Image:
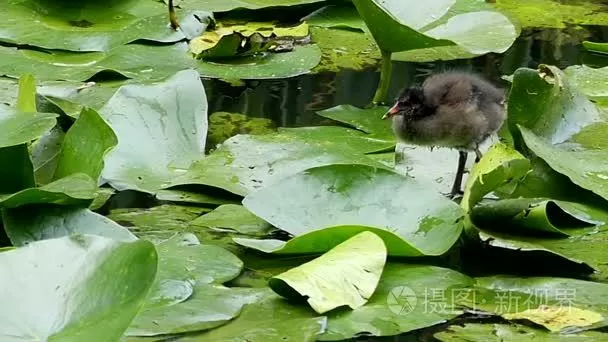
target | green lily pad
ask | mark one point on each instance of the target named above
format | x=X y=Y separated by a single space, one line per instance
x=500 y=166
x=89 y=287
x=161 y=130
x=91 y=26
x=583 y=247
x=76 y=189
x=438 y=53
x=23 y=225
x=71 y=97
x=408 y=297
x=359 y=142
x=416 y=221
x=182 y=257
x=394 y=23
x=186 y=196
x=85 y=146
x=165 y=218
x=536 y=216
x=399 y=26
x=596 y=47
x=586 y=167
x=102 y=197
x=346 y=275
x=559 y=110
x=208 y=307
x=229 y=5
x=537 y=292
x=477 y=32
x=478 y=332
x=44 y=153
x=588 y=80
x=271 y=318
x=233 y=218
x=248 y=162
x=336 y=16
x=268 y=66
x=19 y=127
x=366 y=120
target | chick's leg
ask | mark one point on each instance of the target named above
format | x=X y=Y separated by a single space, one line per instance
x=478 y=155
x=462 y=160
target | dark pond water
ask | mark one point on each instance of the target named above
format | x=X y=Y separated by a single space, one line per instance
x=293 y=101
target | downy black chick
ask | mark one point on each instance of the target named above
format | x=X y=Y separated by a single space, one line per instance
x=453 y=109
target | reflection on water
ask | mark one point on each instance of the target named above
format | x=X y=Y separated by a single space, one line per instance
x=292 y=102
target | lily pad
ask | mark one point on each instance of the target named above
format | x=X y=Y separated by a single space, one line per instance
x=346 y=275
x=233 y=218
x=18 y=127
x=24 y=225
x=365 y=120
x=545 y=102
x=336 y=16
x=71 y=97
x=416 y=221
x=85 y=146
x=394 y=23
x=210 y=306
x=583 y=247
x=500 y=166
x=478 y=332
x=248 y=162
x=89 y=286
x=596 y=47
x=229 y=5
x=409 y=297
x=165 y=218
x=586 y=167
x=76 y=189
x=531 y=293
x=186 y=196
x=536 y=216
x=182 y=257
x=91 y=26
x=161 y=130
x=271 y=318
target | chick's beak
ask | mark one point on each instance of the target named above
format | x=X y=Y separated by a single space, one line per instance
x=394 y=110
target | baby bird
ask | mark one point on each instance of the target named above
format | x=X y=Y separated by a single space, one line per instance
x=453 y=109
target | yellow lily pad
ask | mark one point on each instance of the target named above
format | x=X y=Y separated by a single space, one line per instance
x=555 y=318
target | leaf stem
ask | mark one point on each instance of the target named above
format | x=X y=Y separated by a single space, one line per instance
x=173 y=16
x=385 y=78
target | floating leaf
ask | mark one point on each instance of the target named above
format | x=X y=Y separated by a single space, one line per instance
x=596 y=47
x=409 y=297
x=478 y=332
x=533 y=13
x=233 y=218
x=346 y=275
x=18 y=127
x=556 y=318
x=161 y=130
x=559 y=110
x=210 y=306
x=76 y=189
x=415 y=221
x=336 y=16
x=91 y=26
x=248 y=162
x=271 y=318
x=229 y=5
x=23 y=225
x=88 y=286
x=499 y=166
x=536 y=216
